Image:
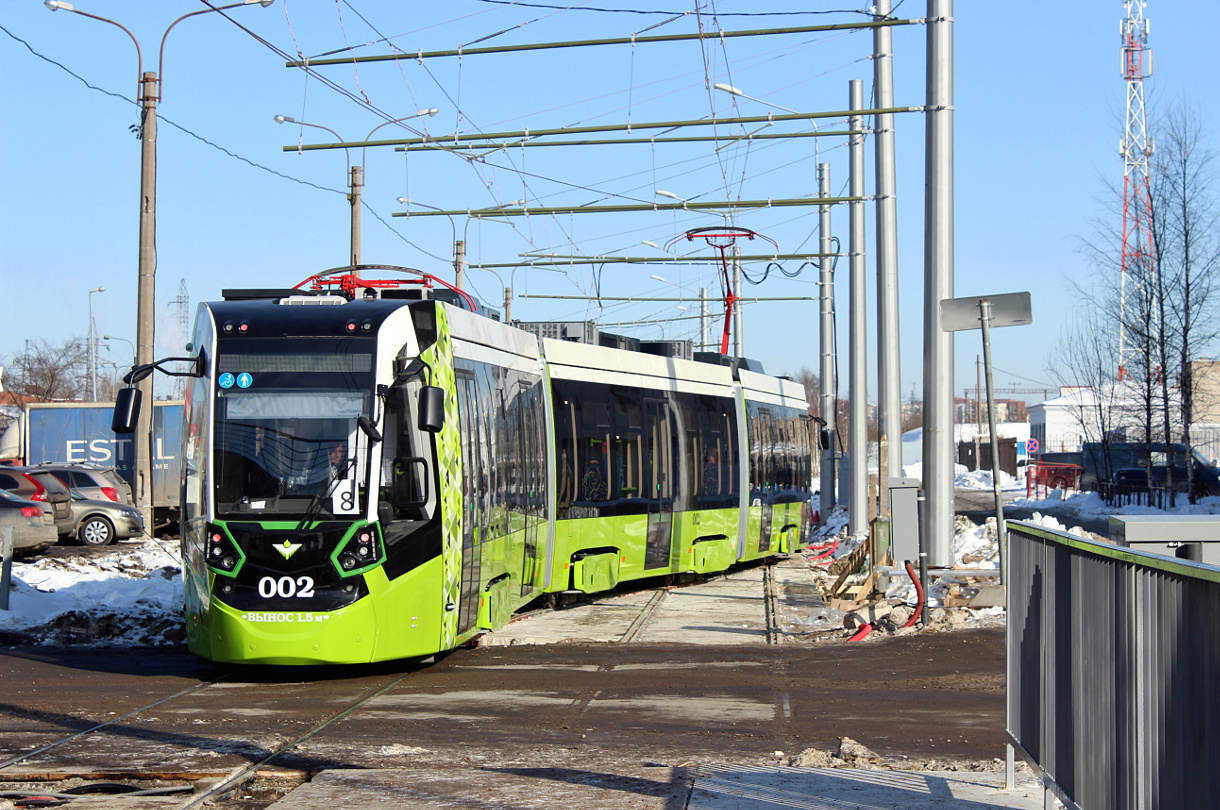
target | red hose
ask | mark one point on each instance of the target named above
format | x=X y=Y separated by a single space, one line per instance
x=919 y=593
x=829 y=549
x=863 y=632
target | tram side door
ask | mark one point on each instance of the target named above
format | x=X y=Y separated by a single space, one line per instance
x=472 y=512
x=660 y=462
x=766 y=469
x=529 y=467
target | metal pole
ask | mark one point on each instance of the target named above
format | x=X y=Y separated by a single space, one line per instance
x=889 y=350
x=142 y=442
x=92 y=353
x=938 y=285
x=508 y=305
x=826 y=348
x=357 y=183
x=857 y=383
x=738 y=343
x=1001 y=532
x=459 y=263
x=703 y=319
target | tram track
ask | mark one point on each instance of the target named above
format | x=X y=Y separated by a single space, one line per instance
x=255 y=739
x=100 y=726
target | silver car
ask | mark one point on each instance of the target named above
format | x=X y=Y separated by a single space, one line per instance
x=33 y=527
x=98 y=523
x=93 y=481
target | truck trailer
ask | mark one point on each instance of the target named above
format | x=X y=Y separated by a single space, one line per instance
x=79 y=433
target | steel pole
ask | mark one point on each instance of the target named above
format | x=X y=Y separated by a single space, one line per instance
x=857 y=382
x=508 y=305
x=143 y=441
x=703 y=319
x=1001 y=532
x=92 y=353
x=889 y=350
x=738 y=342
x=937 y=536
x=357 y=183
x=459 y=263
x=826 y=340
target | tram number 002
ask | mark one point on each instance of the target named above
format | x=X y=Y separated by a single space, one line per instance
x=285 y=587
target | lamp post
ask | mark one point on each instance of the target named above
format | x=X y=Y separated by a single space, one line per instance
x=735 y=280
x=93 y=347
x=355 y=173
x=149 y=95
x=125 y=340
x=733 y=91
x=703 y=311
x=459 y=246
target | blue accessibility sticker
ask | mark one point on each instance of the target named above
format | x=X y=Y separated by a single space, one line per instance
x=225 y=380
x=244 y=380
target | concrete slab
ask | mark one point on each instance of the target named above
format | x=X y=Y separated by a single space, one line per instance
x=757 y=788
x=724 y=610
x=716 y=787
x=483 y=787
x=603 y=621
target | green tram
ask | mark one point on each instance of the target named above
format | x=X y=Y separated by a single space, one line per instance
x=375 y=470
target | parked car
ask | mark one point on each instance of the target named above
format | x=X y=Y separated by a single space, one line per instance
x=93 y=481
x=44 y=488
x=1105 y=461
x=99 y=522
x=33 y=527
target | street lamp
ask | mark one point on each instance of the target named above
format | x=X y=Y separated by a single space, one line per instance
x=733 y=91
x=93 y=347
x=125 y=340
x=733 y=280
x=459 y=246
x=356 y=173
x=703 y=309
x=149 y=94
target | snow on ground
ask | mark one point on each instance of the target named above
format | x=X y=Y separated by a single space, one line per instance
x=128 y=595
x=131 y=594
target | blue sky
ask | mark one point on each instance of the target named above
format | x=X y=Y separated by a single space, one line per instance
x=1039 y=110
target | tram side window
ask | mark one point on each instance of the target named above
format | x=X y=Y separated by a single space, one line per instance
x=406 y=468
x=602 y=459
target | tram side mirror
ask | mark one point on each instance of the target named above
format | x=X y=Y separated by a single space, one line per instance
x=431 y=409
x=126 y=410
x=368 y=428
x=823 y=439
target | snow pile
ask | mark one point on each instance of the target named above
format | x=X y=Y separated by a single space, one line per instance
x=129 y=595
x=981 y=479
x=916 y=471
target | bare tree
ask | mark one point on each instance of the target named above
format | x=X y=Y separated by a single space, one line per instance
x=1188 y=253
x=49 y=371
x=1156 y=307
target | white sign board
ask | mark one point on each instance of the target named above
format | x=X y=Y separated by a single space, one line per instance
x=1009 y=309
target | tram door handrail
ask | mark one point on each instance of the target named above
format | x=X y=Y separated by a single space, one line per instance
x=1113 y=666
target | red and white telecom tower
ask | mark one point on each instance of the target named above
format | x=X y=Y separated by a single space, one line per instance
x=1138 y=259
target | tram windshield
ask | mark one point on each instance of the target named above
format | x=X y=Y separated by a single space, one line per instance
x=286 y=439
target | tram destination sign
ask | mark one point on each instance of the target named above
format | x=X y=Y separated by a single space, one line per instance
x=1009 y=309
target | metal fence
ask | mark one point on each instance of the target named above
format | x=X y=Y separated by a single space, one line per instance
x=1113 y=672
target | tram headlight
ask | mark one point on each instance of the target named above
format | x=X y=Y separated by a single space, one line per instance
x=222 y=554
x=361 y=551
